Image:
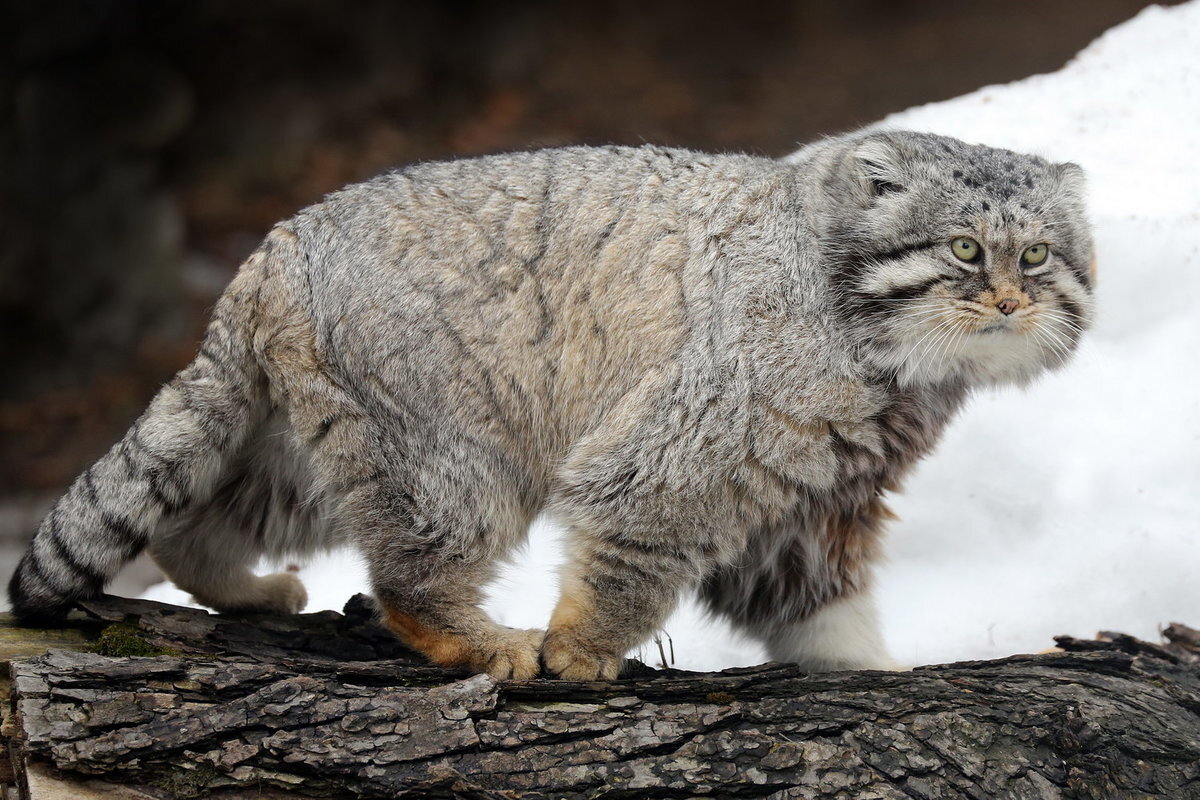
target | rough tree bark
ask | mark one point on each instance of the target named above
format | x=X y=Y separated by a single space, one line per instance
x=329 y=704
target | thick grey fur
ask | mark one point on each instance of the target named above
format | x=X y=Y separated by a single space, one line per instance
x=708 y=367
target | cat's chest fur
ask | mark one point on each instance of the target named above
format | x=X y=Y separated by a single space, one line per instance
x=837 y=443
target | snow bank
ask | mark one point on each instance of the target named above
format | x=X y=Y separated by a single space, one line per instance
x=1074 y=505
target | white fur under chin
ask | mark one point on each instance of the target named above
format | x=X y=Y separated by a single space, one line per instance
x=842 y=635
x=990 y=359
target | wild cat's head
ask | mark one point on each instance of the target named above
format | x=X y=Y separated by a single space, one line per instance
x=957 y=260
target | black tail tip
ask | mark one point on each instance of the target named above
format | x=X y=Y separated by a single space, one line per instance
x=41 y=617
x=34 y=609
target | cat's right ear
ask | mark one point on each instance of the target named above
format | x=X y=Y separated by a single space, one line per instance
x=1071 y=178
x=877 y=168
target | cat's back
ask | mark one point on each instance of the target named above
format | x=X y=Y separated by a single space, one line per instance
x=534 y=209
x=553 y=279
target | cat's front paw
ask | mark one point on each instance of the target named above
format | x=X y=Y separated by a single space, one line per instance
x=462 y=638
x=568 y=657
x=515 y=655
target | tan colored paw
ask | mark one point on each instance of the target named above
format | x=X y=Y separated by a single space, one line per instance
x=565 y=657
x=515 y=656
x=503 y=653
x=282 y=593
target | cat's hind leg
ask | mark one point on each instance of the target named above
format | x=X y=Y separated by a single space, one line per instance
x=419 y=471
x=448 y=627
x=265 y=505
x=433 y=531
x=213 y=564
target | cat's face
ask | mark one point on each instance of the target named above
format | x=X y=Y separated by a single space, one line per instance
x=960 y=260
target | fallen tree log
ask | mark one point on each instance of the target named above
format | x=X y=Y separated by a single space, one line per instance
x=186 y=704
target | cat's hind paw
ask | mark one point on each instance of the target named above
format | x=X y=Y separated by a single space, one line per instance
x=283 y=593
x=568 y=658
x=280 y=593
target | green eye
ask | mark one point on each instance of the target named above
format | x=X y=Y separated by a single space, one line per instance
x=965 y=249
x=1035 y=255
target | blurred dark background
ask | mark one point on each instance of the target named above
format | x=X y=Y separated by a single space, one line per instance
x=146 y=145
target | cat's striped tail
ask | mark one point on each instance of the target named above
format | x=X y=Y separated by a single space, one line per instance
x=169 y=459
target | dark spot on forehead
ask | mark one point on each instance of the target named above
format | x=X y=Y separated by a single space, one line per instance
x=987 y=206
x=1000 y=180
x=1000 y=176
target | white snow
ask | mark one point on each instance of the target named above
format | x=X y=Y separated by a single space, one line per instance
x=1065 y=508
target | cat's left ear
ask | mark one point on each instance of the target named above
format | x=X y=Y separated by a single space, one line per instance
x=877 y=163
x=1071 y=178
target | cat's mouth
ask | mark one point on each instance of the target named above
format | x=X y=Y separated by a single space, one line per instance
x=999 y=326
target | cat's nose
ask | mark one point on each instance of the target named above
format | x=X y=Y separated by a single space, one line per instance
x=1008 y=305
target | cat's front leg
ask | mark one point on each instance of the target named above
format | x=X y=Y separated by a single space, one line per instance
x=457 y=634
x=623 y=579
x=647 y=517
x=614 y=595
x=429 y=583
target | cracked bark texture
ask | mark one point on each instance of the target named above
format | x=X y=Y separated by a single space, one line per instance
x=329 y=704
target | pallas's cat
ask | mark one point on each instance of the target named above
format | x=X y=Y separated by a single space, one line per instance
x=709 y=368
